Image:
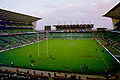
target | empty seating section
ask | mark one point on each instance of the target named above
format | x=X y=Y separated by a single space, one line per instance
x=14 y=31
x=112 y=40
x=17 y=40
x=11 y=24
x=4 y=45
x=72 y=35
x=10 y=41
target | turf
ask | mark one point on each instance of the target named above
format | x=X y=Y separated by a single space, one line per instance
x=73 y=55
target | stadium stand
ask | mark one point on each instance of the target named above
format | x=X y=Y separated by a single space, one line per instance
x=114 y=14
x=10 y=41
x=112 y=41
x=70 y=35
x=74 y=28
x=16 y=31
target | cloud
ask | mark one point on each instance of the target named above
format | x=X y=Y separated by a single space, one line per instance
x=74 y=12
x=106 y=1
x=51 y=6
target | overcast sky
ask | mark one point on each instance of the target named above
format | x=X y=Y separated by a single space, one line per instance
x=63 y=11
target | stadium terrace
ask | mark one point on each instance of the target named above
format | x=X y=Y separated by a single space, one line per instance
x=71 y=52
x=77 y=27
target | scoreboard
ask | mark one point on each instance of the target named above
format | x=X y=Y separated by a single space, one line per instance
x=47 y=28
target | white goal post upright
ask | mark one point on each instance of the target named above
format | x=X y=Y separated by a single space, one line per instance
x=47 y=42
x=71 y=34
x=66 y=35
x=38 y=43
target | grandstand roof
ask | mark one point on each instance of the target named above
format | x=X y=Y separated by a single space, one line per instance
x=113 y=12
x=13 y=16
x=75 y=26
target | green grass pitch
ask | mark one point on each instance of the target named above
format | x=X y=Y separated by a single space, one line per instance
x=73 y=55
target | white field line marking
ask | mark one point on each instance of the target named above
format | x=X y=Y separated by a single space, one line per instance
x=109 y=52
x=102 y=58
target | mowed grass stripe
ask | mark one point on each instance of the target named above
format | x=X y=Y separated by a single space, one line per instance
x=66 y=54
x=100 y=55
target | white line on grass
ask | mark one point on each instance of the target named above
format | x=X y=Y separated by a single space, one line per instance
x=102 y=58
x=109 y=52
x=38 y=44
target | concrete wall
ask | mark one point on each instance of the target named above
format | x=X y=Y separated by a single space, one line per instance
x=34 y=25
